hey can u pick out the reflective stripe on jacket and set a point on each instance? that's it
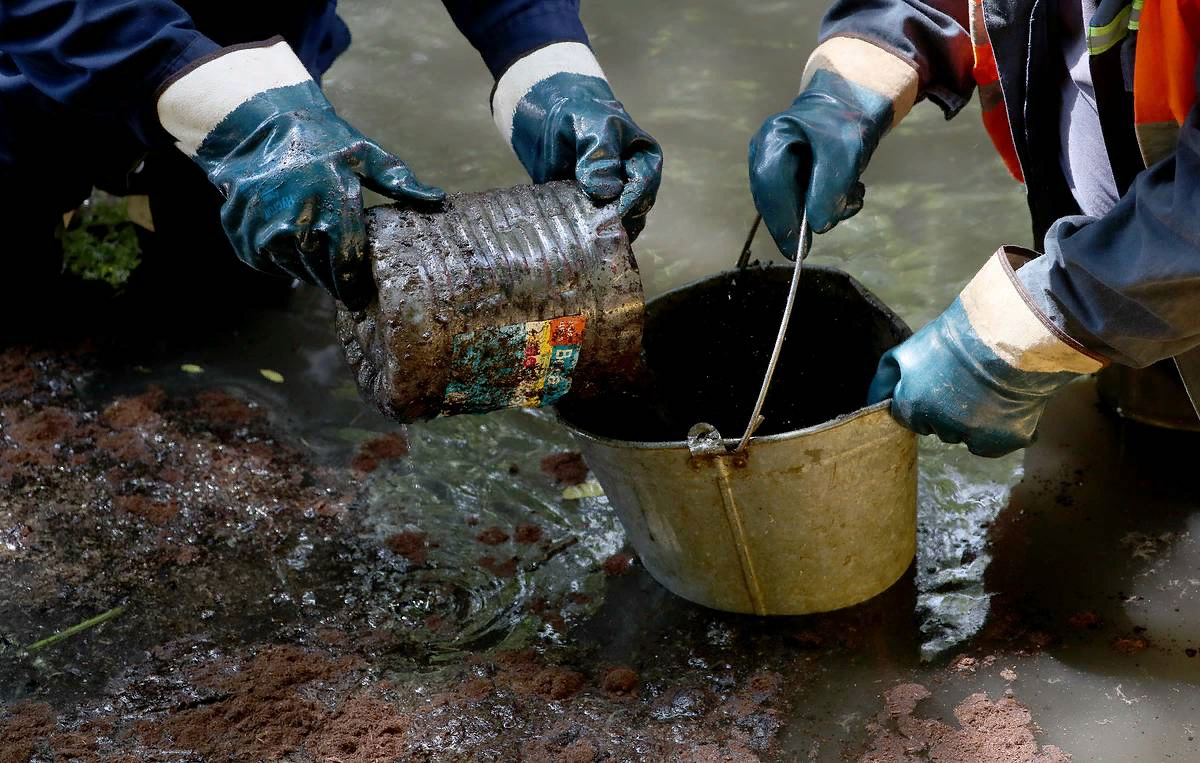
(1164, 88)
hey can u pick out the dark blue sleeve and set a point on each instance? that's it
(106, 56)
(1127, 284)
(933, 35)
(505, 30)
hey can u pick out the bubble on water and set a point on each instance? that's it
(704, 439)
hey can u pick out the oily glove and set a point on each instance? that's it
(290, 169)
(812, 155)
(563, 122)
(982, 372)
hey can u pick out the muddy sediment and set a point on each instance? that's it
(246, 632)
(1000, 731)
(264, 613)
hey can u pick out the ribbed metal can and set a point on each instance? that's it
(501, 299)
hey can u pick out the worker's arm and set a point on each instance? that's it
(933, 38)
(1128, 284)
(876, 58)
(106, 56)
(553, 104)
(1123, 287)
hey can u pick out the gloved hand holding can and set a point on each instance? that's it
(557, 111)
(291, 170)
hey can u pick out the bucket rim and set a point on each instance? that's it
(825, 426)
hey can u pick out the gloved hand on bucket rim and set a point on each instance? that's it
(983, 371)
(559, 115)
(812, 155)
(291, 170)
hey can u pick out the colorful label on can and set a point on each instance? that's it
(522, 365)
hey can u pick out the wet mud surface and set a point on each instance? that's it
(428, 594)
(259, 618)
(247, 631)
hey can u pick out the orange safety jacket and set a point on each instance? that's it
(1164, 89)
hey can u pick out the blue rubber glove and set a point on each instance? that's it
(291, 170)
(811, 156)
(563, 122)
(982, 372)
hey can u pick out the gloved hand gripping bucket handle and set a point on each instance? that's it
(802, 250)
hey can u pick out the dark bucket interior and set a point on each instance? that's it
(706, 348)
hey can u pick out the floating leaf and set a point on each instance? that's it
(191, 368)
(589, 489)
(270, 375)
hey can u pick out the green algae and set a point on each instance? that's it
(102, 243)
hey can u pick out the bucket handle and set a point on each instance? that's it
(802, 249)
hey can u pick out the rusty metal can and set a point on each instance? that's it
(501, 299)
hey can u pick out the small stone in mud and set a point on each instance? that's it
(618, 564)
(1084, 620)
(388, 447)
(528, 533)
(566, 468)
(1130, 645)
(965, 664)
(1008, 674)
(493, 536)
(410, 545)
(501, 568)
(620, 680)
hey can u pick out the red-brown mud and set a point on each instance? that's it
(619, 564)
(988, 732)
(492, 536)
(387, 447)
(527, 533)
(413, 546)
(566, 468)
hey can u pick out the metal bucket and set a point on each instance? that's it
(1153, 395)
(819, 511)
(507, 298)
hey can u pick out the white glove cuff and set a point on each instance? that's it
(1004, 319)
(201, 96)
(519, 79)
(869, 65)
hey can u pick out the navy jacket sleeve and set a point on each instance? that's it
(107, 56)
(933, 35)
(1127, 284)
(505, 30)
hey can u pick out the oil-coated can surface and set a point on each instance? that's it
(506, 298)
